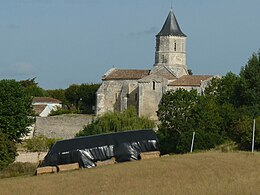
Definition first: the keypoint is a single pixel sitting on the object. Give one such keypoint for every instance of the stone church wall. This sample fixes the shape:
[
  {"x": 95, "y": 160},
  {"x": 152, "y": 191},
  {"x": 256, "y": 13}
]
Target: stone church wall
[
  {"x": 116, "y": 95},
  {"x": 150, "y": 96}
]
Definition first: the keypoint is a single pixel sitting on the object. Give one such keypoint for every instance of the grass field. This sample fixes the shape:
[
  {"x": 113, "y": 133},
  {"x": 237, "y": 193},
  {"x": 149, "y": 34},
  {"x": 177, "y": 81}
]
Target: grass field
[{"x": 198, "y": 173}]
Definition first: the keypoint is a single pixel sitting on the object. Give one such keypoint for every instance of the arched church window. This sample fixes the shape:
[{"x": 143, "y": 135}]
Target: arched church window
[
  {"x": 153, "y": 85},
  {"x": 175, "y": 46}
]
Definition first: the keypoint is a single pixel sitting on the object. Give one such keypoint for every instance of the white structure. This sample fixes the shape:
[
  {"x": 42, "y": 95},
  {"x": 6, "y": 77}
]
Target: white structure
[{"x": 44, "y": 105}]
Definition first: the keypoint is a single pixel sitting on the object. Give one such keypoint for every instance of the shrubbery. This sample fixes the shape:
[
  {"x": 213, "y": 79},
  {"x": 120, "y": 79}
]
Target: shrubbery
[
  {"x": 7, "y": 151},
  {"x": 18, "y": 169},
  {"x": 39, "y": 143},
  {"x": 114, "y": 122}
]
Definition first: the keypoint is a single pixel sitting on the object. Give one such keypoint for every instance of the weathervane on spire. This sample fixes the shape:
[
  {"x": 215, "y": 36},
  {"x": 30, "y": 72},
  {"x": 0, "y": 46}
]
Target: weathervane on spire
[{"x": 171, "y": 4}]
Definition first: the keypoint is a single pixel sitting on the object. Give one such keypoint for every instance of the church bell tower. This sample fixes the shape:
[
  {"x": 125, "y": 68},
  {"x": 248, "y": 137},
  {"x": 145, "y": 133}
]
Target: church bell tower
[{"x": 171, "y": 47}]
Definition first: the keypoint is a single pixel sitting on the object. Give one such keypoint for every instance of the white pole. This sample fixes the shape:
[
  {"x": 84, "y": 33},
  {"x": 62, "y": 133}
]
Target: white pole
[
  {"x": 192, "y": 141},
  {"x": 253, "y": 138}
]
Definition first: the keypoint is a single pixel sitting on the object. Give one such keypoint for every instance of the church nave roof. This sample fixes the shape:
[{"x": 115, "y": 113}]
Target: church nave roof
[
  {"x": 126, "y": 74},
  {"x": 190, "y": 80}
]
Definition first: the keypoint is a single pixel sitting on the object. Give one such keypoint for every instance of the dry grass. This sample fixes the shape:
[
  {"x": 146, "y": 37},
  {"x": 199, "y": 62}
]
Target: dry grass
[{"x": 201, "y": 173}]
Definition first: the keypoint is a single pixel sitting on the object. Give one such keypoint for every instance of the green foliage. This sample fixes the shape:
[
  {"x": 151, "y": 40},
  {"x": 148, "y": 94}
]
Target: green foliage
[
  {"x": 18, "y": 169},
  {"x": 15, "y": 110},
  {"x": 32, "y": 89},
  {"x": 87, "y": 94},
  {"x": 206, "y": 115},
  {"x": 242, "y": 133},
  {"x": 7, "y": 151},
  {"x": 203, "y": 140},
  {"x": 175, "y": 111},
  {"x": 181, "y": 112},
  {"x": 58, "y": 94},
  {"x": 82, "y": 97},
  {"x": 225, "y": 89},
  {"x": 72, "y": 95},
  {"x": 40, "y": 143},
  {"x": 115, "y": 122},
  {"x": 250, "y": 83}
]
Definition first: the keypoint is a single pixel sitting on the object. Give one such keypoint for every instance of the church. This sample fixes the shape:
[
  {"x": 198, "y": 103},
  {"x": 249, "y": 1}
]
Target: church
[{"x": 143, "y": 89}]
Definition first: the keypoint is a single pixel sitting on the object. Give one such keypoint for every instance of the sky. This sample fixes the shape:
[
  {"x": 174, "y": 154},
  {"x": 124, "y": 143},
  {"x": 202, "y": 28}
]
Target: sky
[{"x": 64, "y": 42}]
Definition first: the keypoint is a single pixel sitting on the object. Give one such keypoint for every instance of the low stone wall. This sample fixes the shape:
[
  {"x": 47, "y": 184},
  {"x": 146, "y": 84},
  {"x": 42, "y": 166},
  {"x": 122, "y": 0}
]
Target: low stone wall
[{"x": 61, "y": 126}]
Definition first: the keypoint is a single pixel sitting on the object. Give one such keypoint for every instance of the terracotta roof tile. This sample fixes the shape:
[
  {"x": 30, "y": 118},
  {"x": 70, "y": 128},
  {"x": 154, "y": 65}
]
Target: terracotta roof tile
[
  {"x": 124, "y": 74},
  {"x": 45, "y": 100},
  {"x": 165, "y": 74},
  {"x": 189, "y": 80},
  {"x": 38, "y": 109}
]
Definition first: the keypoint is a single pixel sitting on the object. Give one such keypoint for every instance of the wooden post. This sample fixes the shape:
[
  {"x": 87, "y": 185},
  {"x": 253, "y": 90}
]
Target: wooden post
[
  {"x": 192, "y": 141},
  {"x": 253, "y": 137}
]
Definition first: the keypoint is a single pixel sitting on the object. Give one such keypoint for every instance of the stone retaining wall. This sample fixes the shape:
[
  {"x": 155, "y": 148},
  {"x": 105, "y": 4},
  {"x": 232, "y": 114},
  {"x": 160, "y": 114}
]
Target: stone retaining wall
[{"x": 61, "y": 126}]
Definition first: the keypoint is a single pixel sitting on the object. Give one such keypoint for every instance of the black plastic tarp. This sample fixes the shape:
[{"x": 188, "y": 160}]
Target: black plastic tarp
[{"x": 86, "y": 151}]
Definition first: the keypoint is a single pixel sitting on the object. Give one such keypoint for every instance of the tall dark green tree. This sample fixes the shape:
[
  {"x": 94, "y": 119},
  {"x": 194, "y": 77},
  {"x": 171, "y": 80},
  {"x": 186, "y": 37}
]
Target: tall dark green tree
[
  {"x": 32, "y": 88},
  {"x": 58, "y": 94},
  {"x": 87, "y": 94},
  {"x": 225, "y": 89},
  {"x": 15, "y": 110},
  {"x": 250, "y": 83},
  {"x": 82, "y": 97},
  {"x": 72, "y": 95}
]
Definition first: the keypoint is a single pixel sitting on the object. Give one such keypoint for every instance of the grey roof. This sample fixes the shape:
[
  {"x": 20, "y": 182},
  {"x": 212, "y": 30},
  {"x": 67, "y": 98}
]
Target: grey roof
[{"x": 171, "y": 27}]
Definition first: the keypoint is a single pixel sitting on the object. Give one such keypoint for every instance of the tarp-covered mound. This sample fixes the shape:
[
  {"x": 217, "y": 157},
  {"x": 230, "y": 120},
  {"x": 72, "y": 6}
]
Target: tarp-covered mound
[{"x": 123, "y": 146}]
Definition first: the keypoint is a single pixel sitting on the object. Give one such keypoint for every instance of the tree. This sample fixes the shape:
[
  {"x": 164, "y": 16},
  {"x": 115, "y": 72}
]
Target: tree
[
  {"x": 175, "y": 111},
  {"x": 72, "y": 95},
  {"x": 87, "y": 94},
  {"x": 7, "y": 151},
  {"x": 32, "y": 88},
  {"x": 225, "y": 89},
  {"x": 58, "y": 94},
  {"x": 250, "y": 83},
  {"x": 175, "y": 116},
  {"x": 180, "y": 113},
  {"x": 82, "y": 97},
  {"x": 115, "y": 122},
  {"x": 15, "y": 110}
]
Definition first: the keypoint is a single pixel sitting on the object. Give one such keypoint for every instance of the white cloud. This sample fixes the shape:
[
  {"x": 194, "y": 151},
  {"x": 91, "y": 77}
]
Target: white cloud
[
  {"x": 149, "y": 31},
  {"x": 20, "y": 68}
]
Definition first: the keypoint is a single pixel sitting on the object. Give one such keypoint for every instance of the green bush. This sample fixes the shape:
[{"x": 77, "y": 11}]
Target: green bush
[
  {"x": 203, "y": 140},
  {"x": 114, "y": 122},
  {"x": 18, "y": 169},
  {"x": 40, "y": 143},
  {"x": 7, "y": 151}
]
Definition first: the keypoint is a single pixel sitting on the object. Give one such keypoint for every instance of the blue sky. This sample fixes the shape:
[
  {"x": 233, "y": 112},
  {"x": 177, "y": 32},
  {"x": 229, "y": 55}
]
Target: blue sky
[{"x": 62, "y": 42}]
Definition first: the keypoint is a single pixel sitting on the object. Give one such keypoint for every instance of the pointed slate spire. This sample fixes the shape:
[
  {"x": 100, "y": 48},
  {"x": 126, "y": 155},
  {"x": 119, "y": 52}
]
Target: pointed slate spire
[{"x": 171, "y": 27}]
